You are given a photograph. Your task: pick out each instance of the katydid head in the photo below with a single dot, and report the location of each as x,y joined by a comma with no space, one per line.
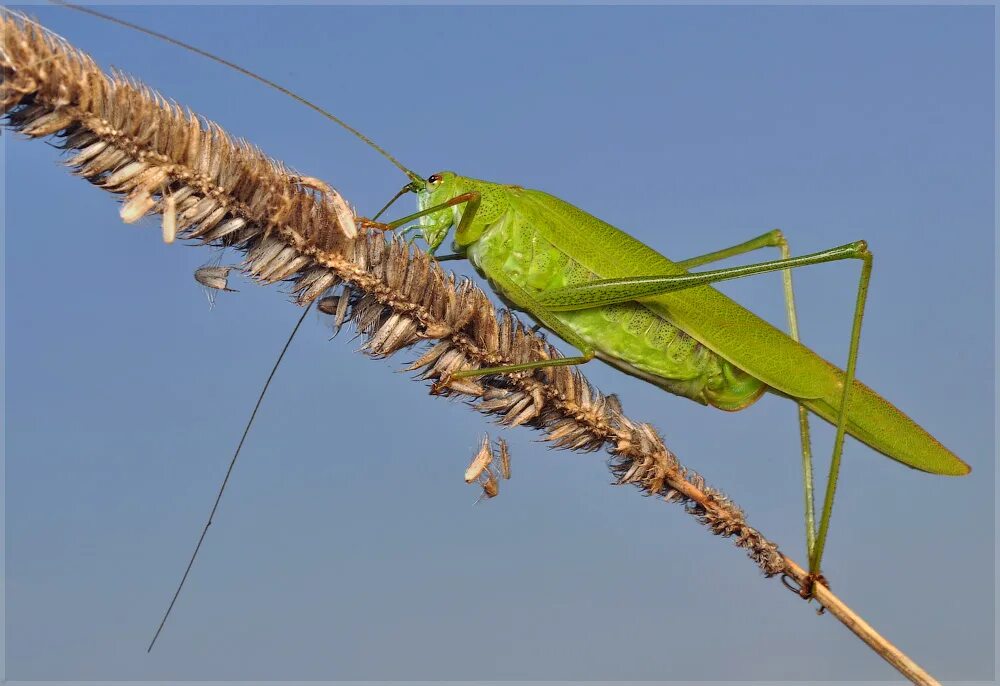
470,204
439,188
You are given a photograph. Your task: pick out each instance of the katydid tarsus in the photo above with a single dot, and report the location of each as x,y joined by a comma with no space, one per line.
614,298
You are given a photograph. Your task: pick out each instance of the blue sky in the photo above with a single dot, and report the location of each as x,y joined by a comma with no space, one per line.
348,546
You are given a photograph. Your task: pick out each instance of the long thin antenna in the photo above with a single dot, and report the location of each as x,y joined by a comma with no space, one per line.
413,176
225,480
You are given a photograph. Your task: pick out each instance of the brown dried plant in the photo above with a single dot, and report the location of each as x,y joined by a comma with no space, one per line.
131,141
220,191
488,467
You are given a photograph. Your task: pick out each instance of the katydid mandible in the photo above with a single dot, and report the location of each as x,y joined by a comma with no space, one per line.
618,300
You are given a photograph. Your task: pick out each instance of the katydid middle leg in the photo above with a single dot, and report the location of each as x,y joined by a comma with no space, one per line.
529,303
776,239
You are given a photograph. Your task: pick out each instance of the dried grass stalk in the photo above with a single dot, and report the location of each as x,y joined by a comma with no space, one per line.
221,191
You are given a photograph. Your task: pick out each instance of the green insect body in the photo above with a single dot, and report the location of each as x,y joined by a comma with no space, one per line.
695,342
520,247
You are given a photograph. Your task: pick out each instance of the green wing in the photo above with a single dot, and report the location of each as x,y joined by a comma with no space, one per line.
742,338
765,352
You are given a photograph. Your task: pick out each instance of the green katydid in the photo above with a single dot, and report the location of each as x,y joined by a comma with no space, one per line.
617,299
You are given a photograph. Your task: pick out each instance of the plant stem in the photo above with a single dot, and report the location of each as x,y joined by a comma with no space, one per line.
862,629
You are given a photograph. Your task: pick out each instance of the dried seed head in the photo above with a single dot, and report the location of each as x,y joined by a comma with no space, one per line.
133,142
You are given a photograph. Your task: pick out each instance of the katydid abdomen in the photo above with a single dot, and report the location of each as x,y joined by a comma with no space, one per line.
629,336
695,342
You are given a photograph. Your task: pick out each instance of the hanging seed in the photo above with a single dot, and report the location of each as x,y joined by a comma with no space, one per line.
504,458
480,461
328,305
169,219
491,487
214,277
136,207
341,316
336,306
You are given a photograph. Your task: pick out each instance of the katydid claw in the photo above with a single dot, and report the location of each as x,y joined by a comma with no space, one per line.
441,385
805,589
366,223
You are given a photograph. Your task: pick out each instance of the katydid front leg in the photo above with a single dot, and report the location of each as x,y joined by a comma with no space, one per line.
473,199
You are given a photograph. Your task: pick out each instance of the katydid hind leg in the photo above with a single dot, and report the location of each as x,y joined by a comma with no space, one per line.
607,291
816,540
816,556
610,291
805,439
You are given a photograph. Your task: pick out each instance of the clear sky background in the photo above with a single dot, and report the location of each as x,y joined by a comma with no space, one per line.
348,546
